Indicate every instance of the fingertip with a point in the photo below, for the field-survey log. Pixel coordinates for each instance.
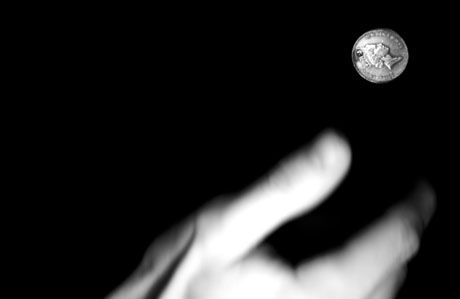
(424, 202)
(427, 195)
(332, 149)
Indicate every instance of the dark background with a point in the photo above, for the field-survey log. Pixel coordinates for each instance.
(146, 114)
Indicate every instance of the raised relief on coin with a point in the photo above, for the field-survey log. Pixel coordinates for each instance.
(380, 55)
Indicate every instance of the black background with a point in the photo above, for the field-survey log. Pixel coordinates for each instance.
(148, 113)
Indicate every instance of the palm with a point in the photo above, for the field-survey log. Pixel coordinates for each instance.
(349, 273)
(255, 277)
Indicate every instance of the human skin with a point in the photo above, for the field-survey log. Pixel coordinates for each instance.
(214, 254)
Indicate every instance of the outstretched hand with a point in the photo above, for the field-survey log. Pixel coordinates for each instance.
(214, 255)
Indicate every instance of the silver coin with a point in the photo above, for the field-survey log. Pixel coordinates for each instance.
(380, 55)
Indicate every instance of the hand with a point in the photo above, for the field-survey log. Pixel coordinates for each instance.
(213, 254)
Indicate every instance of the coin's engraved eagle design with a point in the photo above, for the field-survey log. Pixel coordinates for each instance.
(380, 55)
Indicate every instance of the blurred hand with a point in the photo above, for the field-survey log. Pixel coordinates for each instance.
(214, 255)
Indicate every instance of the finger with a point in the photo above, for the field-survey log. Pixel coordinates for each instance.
(385, 246)
(159, 264)
(388, 288)
(418, 208)
(232, 229)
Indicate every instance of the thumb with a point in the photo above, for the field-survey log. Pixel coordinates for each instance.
(227, 230)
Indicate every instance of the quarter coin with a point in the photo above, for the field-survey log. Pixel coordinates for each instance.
(380, 55)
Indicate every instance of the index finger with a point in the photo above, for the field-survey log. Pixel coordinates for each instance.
(230, 229)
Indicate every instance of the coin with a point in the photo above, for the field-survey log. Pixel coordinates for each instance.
(380, 55)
